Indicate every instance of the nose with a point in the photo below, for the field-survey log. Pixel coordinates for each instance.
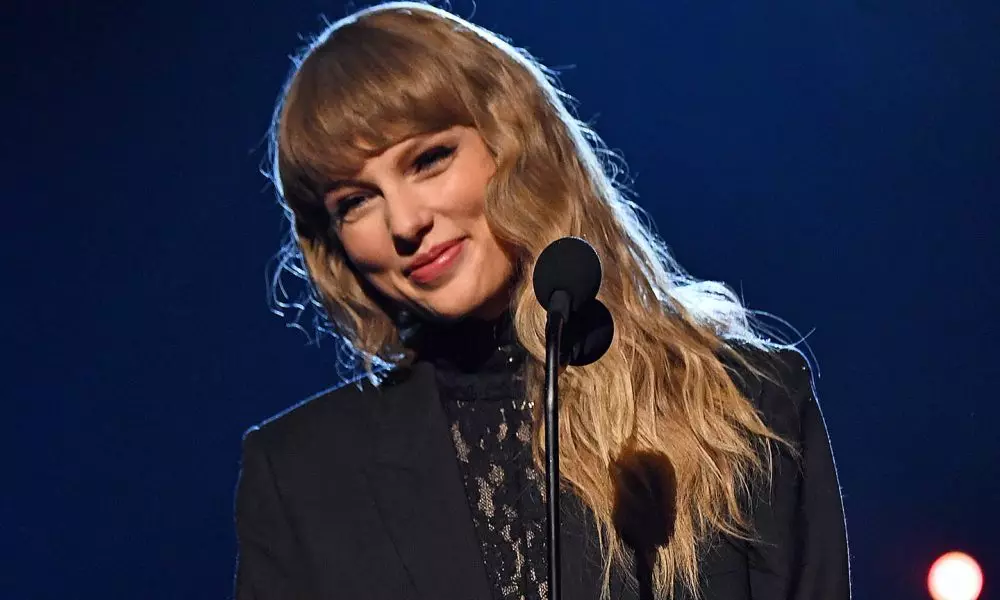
(408, 219)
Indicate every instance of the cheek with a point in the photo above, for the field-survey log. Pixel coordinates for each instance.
(367, 247)
(466, 190)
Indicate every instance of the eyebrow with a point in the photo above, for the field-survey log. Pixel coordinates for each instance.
(405, 154)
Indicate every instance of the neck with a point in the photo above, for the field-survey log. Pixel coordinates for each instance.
(469, 344)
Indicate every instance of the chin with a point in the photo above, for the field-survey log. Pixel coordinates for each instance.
(472, 290)
(452, 309)
(457, 301)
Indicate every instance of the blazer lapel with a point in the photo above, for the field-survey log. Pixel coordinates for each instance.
(420, 494)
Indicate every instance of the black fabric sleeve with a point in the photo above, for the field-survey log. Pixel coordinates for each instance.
(266, 564)
(803, 553)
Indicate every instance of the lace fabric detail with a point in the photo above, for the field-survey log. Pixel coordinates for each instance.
(491, 429)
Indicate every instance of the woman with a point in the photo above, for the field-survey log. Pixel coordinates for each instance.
(425, 163)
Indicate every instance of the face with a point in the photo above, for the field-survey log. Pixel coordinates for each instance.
(412, 223)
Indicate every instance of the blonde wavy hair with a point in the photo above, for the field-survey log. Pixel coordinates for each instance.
(400, 69)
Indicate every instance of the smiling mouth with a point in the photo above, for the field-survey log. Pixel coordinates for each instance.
(439, 265)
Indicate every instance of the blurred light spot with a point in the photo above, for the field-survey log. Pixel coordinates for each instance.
(955, 576)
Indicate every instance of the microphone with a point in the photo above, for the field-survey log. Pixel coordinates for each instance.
(571, 266)
(579, 329)
(566, 279)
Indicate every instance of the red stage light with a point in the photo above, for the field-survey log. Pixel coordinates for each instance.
(955, 576)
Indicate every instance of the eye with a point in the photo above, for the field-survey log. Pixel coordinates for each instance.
(432, 156)
(345, 206)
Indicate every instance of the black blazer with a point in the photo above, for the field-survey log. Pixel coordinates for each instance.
(356, 493)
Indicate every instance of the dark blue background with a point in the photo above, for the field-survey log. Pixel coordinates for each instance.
(839, 163)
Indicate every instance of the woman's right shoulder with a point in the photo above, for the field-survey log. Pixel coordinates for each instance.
(340, 416)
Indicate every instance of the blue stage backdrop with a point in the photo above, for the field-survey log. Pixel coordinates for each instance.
(838, 163)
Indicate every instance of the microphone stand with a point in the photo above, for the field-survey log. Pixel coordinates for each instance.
(557, 316)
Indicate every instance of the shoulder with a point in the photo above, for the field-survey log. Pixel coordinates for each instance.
(337, 418)
(779, 384)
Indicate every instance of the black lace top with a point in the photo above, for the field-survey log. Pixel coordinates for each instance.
(478, 366)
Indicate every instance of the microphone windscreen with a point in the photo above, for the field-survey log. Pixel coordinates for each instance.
(569, 264)
(588, 334)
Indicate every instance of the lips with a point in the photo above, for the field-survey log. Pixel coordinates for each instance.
(436, 262)
(429, 256)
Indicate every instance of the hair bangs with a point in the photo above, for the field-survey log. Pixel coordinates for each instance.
(361, 91)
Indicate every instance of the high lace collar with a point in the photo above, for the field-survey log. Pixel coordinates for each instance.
(470, 345)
